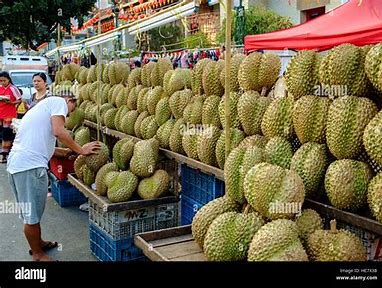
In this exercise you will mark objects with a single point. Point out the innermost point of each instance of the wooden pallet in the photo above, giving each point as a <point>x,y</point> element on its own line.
<point>173,244</point>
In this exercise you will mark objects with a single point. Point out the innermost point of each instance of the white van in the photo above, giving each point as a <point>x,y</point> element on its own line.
<point>22,62</point>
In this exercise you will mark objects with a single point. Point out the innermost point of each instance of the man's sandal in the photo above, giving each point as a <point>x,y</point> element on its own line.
<point>47,246</point>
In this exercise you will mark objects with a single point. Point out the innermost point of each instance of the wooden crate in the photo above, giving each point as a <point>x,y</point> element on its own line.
<point>173,244</point>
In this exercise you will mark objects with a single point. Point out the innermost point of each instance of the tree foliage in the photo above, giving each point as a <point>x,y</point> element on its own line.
<point>31,22</point>
<point>258,20</point>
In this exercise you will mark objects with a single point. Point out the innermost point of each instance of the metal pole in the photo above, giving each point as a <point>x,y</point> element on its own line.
<point>227,59</point>
<point>99,76</point>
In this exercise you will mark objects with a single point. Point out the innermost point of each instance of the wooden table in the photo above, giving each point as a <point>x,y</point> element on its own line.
<point>173,244</point>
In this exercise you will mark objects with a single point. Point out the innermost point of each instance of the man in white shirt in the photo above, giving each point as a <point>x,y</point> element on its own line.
<point>32,149</point>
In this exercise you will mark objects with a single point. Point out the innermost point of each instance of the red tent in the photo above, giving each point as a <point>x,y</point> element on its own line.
<point>358,22</point>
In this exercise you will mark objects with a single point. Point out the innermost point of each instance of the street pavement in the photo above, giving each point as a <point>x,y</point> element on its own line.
<point>68,226</point>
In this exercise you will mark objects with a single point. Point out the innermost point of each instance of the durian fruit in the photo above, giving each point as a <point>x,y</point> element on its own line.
<point>96,161</point>
<point>123,187</point>
<point>122,111</point>
<point>308,222</point>
<point>162,111</point>
<point>122,153</point>
<point>79,165</point>
<point>205,215</point>
<point>83,75</point>
<point>274,192</point>
<point>347,119</point>
<point>234,117</point>
<point>82,136</point>
<point>149,127</point>
<point>75,119</point>
<point>133,97</point>
<point>84,93</point>
<point>259,70</point>
<point>344,66</point>
<point>309,118</point>
<point>211,78</point>
<point>118,73</point>
<point>155,186</point>
<point>92,74</point>
<point>153,97</point>
<point>335,245</point>
<point>164,132</point>
<point>134,78</point>
<point>105,74</point>
<point>310,162</point>
<point>178,102</point>
<point>69,71</point>
<point>229,236</point>
<point>100,177</point>
<point>122,96</point>
<point>146,74</point>
<point>239,162</point>
<point>236,137</point>
<point>278,151</point>
<point>163,65</point>
<point>175,141</point>
<point>277,119</point>
<point>302,74</point>
<point>194,110</point>
<point>190,142</point>
<point>346,183</point>
<point>374,196</point>
<point>235,65</point>
<point>372,138</point>
<point>251,108</point>
<point>166,82</point>
<point>109,118</point>
<point>197,76</point>
<point>128,122</point>
<point>180,79</point>
<point>142,100</point>
<point>373,66</point>
<point>254,140</point>
<point>111,178</point>
<point>210,111</point>
<point>115,94</point>
<point>277,241</point>
<point>144,158</point>
<point>88,175</point>
<point>206,144</point>
<point>138,122</point>
<point>105,107</point>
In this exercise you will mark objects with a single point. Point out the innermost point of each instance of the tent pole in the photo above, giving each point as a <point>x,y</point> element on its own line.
<point>99,76</point>
<point>227,58</point>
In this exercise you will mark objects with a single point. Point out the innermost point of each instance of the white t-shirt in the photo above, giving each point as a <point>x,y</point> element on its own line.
<point>34,143</point>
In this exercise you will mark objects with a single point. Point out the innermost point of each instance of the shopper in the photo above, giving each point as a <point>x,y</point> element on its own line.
<point>28,163</point>
<point>39,83</point>
<point>10,97</point>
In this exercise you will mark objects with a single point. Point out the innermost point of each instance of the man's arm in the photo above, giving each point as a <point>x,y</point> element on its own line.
<point>59,131</point>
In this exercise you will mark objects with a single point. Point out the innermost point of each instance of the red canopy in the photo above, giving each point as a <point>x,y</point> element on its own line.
<point>358,22</point>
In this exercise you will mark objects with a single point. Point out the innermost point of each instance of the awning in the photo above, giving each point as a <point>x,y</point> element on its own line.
<point>358,22</point>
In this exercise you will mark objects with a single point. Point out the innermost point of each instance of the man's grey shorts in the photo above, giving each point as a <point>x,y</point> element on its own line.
<point>31,189</point>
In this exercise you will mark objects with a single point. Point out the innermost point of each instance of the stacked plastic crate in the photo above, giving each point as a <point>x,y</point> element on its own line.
<point>198,189</point>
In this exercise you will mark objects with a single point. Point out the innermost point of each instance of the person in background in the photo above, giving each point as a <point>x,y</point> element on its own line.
<point>10,97</point>
<point>39,83</point>
<point>28,163</point>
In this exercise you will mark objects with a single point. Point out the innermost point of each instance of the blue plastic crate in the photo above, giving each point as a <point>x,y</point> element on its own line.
<point>189,207</point>
<point>65,193</point>
<point>104,248</point>
<point>200,186</point>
